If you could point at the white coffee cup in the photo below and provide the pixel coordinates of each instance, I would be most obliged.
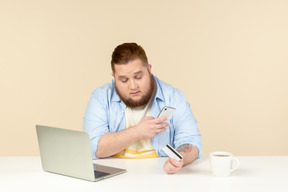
(221, 163)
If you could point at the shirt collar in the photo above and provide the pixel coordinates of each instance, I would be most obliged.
(159, 93)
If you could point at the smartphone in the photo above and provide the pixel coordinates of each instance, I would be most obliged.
(166, 112)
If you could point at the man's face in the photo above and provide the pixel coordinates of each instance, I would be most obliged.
(134, 83)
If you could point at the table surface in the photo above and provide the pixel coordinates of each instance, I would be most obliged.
(256, 173)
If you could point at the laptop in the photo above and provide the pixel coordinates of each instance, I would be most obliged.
(68, 152)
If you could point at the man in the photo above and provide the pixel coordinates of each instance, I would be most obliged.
(120, 116)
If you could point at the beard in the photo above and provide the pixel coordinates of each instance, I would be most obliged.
(143, 100)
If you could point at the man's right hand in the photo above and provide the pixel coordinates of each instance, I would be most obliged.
(149, 127)
(112, 143)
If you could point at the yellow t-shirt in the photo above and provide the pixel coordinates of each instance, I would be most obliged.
(142, 148)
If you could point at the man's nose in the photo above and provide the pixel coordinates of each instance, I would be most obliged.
(133, 84)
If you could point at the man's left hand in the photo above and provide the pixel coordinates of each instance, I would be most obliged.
(172, 166)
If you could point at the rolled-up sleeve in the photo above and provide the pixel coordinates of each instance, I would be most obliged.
(95, 121)
(185, 124)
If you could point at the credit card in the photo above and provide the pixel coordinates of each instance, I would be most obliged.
(171, 152)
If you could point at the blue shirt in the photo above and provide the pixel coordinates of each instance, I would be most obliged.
(105, 113)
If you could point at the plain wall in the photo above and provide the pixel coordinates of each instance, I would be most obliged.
(229, 58)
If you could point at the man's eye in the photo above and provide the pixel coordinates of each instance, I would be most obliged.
(138, 77)
(124, 80)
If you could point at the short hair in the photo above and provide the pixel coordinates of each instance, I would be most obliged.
(127, 52)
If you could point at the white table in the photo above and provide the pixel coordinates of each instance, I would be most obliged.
(260, 173)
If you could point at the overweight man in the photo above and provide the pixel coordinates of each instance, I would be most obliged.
(121, 116)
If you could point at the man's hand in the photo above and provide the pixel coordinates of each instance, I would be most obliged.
(149, 127)
(172, 166)
(112, 143)
(189, 153)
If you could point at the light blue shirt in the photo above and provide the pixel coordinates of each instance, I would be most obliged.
(105, 113)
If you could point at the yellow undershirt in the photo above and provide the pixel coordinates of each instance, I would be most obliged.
(142, 148)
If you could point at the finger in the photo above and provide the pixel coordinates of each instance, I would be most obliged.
(168, 171)
(149, 118)
(172, 162)
(161, 125)
(176, 163)
(160, 130)
(169, 168)
(159, 120)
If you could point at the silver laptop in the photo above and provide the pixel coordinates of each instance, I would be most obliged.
(68, 152)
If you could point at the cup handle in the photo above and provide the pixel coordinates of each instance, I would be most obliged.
(237, 164)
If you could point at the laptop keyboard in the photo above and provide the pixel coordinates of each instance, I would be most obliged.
(100, 174)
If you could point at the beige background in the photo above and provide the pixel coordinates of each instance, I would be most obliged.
(229, 57)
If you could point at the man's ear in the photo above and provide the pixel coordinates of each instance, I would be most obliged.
(149, 67)
(112, 74)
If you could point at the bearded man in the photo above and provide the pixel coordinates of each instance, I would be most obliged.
(121, 116)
